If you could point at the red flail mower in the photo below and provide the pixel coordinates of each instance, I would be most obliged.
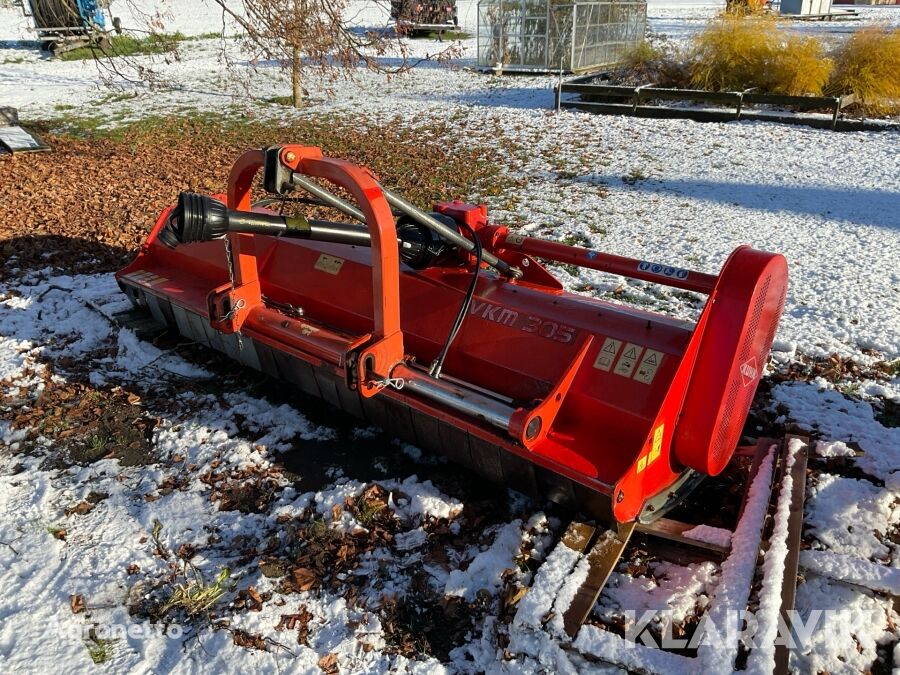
(446, 331)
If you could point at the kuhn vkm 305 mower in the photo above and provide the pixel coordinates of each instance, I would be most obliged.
(448, 332)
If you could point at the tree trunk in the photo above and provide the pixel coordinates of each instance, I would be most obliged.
(296, 88)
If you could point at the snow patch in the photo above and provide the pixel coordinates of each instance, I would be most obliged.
(852, 516)
(851, 569)
(486, 569)
(710, 535)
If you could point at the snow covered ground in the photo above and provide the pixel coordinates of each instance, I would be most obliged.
(673, 190)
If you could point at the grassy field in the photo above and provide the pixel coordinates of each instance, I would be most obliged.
(129, 45)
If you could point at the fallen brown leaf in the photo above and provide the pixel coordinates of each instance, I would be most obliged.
(328, 664)
(81, 508)
(76, 602)
(250, 640)
(304, 579)
(186, 551)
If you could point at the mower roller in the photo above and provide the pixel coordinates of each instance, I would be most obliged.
(446, 331)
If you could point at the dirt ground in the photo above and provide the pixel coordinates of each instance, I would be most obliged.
(86, 205)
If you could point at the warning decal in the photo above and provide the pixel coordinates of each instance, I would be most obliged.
(145, 278)
(657, 442)
(628, 360)
(655, 451)
(329, 263)
(648, 366)
(607, 354)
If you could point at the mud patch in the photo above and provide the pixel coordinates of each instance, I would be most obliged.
(72, 423)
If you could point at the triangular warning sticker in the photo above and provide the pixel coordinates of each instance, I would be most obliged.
(650, 360)
(630, 354)
(610, 348)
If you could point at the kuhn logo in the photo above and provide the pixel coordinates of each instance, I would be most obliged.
(749, 371)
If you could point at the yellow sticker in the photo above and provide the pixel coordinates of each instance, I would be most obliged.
(642, 463)
(657, 443)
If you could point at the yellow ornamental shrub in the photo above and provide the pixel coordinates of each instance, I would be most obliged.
(799, 67)
(868, 65)
(734, 52)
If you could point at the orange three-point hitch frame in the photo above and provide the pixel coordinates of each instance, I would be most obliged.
(378, 358)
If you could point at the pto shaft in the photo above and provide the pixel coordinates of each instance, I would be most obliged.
(200, 218)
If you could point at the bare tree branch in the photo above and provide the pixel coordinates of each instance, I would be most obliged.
(316, 35)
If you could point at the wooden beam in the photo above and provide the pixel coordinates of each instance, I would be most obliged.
(597, 89)
(794, 533)
(673, 530)
(578, 536)
(799, 102)
(722, 97)
(602, 560)
(655, 112)
(762, 447)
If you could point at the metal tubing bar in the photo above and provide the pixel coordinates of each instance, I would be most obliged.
(456, 397)
(409, 209)
(340, 233)
(448, 233)
(607, 262)
(327, 196)
(299, 228)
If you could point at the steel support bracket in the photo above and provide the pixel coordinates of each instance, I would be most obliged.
(229, 307)
(530, 427)
(376, 363)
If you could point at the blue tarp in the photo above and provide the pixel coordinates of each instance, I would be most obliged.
(72, 14)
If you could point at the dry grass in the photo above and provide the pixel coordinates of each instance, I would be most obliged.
(656, 62)
(800, 67)
(737, 52)
(196, 595)
(733, 53)
(741, 50)
(642, 55)
(868, 65)
(745, 7)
